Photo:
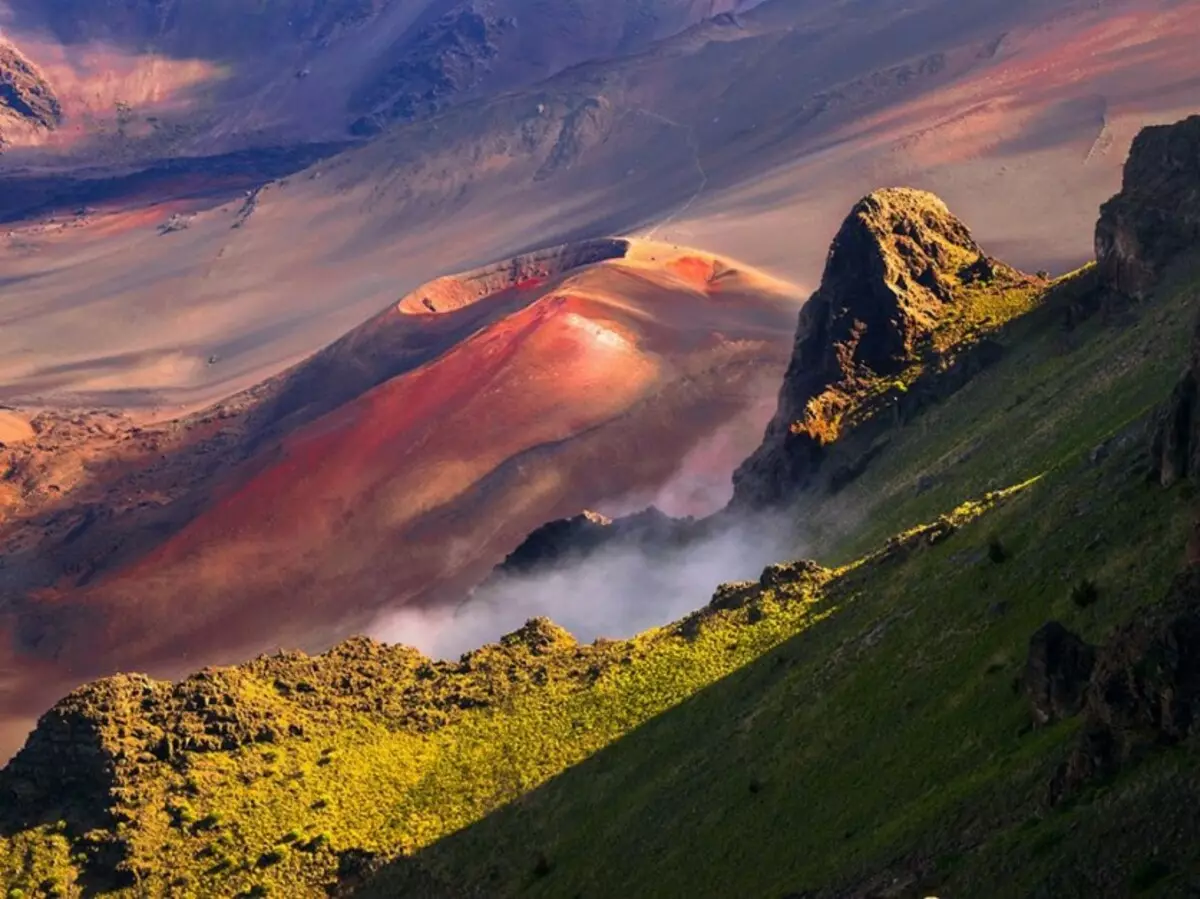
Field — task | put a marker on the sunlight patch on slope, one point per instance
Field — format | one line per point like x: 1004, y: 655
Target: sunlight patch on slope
x: 599, y: 335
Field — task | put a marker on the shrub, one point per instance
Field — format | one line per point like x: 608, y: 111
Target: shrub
x: 1085, y: 593
x: 320, y: 841
x: 1147, y: 874
x: 208, y: 822
x: 996, y: 551
x: 181, y: 814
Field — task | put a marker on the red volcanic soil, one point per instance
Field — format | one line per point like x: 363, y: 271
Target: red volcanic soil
x: 569, y: 389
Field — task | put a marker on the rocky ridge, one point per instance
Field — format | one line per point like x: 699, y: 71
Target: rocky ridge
x: 446, y: 59
x: 25, y: 95
x: 569, y: 540
x: 1141, y: 688
x: 1156, y: 216
x: 1142, y: 230
x: 902, y: 318
x: 898, y: 271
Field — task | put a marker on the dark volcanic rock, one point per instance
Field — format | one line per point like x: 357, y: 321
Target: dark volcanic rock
x: 446, y: 59
x: 1144, y: 689
x: 890, y: 279
x: 1175, y: 450
x: 571, y: 540
x: 1154, y: 219
x: 1156, y: 216
x: 559, y: 540
x: 1147, y: 679
x: 1095, y: 757
x: 1056, y: 673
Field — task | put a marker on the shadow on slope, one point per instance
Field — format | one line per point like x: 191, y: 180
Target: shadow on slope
x: 880, y: 752
x: 884, y: 751
x: 397, y: 466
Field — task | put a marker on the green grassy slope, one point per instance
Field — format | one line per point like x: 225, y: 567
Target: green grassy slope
x: 887, y: 737
x: 832, y: 724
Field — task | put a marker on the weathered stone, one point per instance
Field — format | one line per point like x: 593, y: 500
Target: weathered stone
x: 1144, y: 689
x: 24, y: 91
x: 1175, y: 448
x: 894, y: 271
x: 1147, y: 679
x: 1156, y: 216
x: 1056, y: 673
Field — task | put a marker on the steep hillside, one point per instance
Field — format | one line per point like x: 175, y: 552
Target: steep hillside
x: 397, y: 466
x: 995, y: 703
x: 1157, y: 214
x: 722, y: 137
x: 184, y: 76
x: 27, y: 102
x: 909, y: 310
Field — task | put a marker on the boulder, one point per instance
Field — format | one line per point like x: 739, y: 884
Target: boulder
x: 1056, y: 673
x: 1147, y: 679
x: 1144, y: 690
x: 571, y: 540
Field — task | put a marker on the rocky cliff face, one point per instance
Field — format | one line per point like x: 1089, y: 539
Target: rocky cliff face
x: 1175, y: 452
x: 25, y: 95
x: 1141, y: 689
x: 896, y: 273
x: 318, y: 67
x: 446, y: 59
x: 1156, y: 216
x: 1155, y: 219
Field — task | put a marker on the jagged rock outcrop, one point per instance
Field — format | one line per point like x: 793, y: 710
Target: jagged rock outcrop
x: 1156, y: 216
x: 585, y: 126
x: 895, y: 273
x: 442, y: 61
x: 24, y: 92
x: 1147, y: 679
x: 1175, y: 449
x: 571, y: 540
x: 1056, y: 673
x: 1154, y: 219
x: 558, y: 540
x: 1143, y: 689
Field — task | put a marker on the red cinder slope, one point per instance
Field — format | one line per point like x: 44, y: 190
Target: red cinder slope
x: 578, y: 387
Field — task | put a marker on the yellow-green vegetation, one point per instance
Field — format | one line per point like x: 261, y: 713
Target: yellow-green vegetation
x: 1059, y: 393
x: 907, y: 294
x: 316, y: 778
x: 816, y: 729
x: 980, y: 311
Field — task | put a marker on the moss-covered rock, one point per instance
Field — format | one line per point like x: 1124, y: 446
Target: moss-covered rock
x: 901, y: 269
